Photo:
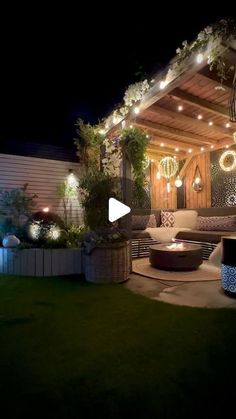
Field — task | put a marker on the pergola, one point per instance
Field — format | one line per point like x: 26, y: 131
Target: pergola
x: 188, y: 115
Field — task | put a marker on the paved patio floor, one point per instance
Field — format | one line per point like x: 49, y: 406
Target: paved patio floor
x: 193, y: 294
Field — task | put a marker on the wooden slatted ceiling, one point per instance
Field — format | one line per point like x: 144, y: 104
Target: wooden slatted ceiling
x: 43, y: 177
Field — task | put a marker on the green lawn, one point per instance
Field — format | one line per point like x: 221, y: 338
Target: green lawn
x: 70, y: 349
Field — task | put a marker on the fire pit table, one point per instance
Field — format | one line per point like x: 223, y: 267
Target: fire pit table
x: 176, y: 256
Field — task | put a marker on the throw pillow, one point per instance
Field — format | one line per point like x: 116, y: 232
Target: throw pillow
x: 216, y: 255
x: 141, y: 222
x: 220, y: 223
x: 185, y: 218
x: 167, y: 219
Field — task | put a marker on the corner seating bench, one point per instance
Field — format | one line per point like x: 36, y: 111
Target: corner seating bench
x: 141, y: 239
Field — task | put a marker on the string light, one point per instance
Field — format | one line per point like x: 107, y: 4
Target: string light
x: 190, y: 150
x: 212, y: 146
x: 162, y: 144
x: 227, y: 146
x: 202, y: 148
x: 147, y: 136
x: 46, y: 209
x: 163, y: 84
x: 227, y: 125
x: 177, y: 149
x: 180, y: 108
x: 131, y: 126
x: 199, y: 58
x: 210, y: 123
x: 199, y: 116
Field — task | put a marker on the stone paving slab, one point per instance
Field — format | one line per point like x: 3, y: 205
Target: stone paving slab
x: 192, y: 294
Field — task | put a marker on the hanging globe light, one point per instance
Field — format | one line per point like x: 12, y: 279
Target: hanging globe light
x: 168, y: 168
x: 178, y: 182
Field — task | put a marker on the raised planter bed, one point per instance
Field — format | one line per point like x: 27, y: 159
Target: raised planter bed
x: 40, y: 262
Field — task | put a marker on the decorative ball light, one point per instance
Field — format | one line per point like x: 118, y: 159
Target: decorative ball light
x: 168, y: 168
x: 178, y: 182
x: 228, y: 160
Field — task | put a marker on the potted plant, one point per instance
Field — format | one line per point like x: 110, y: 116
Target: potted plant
x: 106, y: 257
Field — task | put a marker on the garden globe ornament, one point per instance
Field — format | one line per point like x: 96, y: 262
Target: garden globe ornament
x: 10, y: 240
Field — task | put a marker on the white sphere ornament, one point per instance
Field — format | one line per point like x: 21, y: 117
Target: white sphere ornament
x: 178, y: 182
x: 10, y: 241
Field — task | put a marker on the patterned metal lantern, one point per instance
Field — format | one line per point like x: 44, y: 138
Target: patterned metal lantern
x: 168, y: 168
x: 232, y: 101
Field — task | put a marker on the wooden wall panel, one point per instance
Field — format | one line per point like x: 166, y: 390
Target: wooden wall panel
x: 160, y: 198
x: 200, y: 199
x: 43, y: 177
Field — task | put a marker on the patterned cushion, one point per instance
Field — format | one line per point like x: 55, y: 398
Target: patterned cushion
x: 221, y: 223
x: 141, y: 222
x: 167, y: 219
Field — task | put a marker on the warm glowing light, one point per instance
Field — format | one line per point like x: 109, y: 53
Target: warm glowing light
x: 175, y: 157
x: 199, y: 116
x: 227, y: 146
x: 46, y: 209
x: 152, y: 160
x: 175, y: 246
x: 72, y: 181
x: 212, y: 146
x: 163, y: 84
x: 227, y: 125
x: 199, y: 58
x: 202, y: 149
x: 136, y: 110
x: 54, y: 233
x: 197, y: 180
x: 176, y: 149
x: 190, y: 150
x: 123, y: 124
x: 168, y: 187
x: 178, y: 182
x: 210, y: 123
x: 180, y: 108
x: 147, y: 136
x: 162, y: 144
x: 158, y: 175
x: 234, y: 136
x: 131, y: 126
x: 153, y: 81
x: 34, y: 230
x: 114, y: 120
x: 102, y: 131
x: 228, y: 160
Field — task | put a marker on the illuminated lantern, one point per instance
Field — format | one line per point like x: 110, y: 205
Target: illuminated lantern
x: 168, y: 168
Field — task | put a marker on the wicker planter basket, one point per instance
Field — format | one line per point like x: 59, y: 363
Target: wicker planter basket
x: 108, y: 263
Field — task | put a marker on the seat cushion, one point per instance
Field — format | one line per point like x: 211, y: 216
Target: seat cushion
x: 203, y: 236
x: 185, y: 219
x: 164, y: 234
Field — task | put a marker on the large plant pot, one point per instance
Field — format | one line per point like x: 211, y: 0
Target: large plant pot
x: 108, y: 263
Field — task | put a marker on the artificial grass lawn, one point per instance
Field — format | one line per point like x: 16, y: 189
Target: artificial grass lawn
x: 70, y: 349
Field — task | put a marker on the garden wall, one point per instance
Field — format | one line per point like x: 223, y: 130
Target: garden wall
x: 43, y: 177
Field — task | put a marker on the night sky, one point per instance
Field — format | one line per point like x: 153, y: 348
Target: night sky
x: 57, y: 66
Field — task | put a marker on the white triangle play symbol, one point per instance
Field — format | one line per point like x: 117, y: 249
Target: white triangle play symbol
x: 116, y: 209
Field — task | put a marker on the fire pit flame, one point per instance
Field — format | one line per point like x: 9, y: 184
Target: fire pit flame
x: 176, y: 246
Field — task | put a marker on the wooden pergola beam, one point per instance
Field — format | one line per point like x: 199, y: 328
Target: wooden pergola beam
x: 163, y: 129
x: 208, y: 78
x: 173, y: 144
x: 156, y: 109
x: 199, y: 102
x: 186, y: 165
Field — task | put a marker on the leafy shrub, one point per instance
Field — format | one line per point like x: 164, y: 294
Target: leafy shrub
x: 48, y: 218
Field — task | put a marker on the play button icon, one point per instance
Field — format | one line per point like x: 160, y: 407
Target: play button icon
x: 116, y: 209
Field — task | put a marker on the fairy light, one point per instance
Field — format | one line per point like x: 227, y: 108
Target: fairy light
x: 199, y: 58
x: 199, y: 117
x: 210, y: 123
x: 180, y: 108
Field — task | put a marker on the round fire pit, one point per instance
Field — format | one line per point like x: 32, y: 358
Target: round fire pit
x: 176, y: 256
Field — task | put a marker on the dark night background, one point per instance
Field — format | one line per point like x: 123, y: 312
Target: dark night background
x: 58, y: 65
